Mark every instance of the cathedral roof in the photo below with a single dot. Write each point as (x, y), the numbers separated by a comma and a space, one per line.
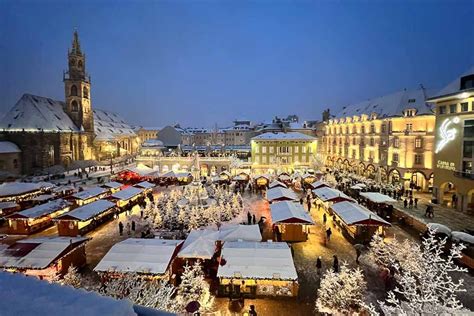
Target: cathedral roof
(36, 113)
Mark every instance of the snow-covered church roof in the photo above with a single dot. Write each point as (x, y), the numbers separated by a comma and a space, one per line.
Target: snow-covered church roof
(36, 113)
(390, 105)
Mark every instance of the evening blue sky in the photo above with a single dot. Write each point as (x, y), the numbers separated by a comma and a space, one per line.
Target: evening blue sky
(205, 62)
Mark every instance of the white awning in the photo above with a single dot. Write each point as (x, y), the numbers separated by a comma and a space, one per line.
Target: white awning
(281, 193)
(289, 211)
(377, 197)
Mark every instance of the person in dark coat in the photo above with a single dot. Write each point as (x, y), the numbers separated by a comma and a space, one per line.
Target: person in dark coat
(249, 218)
(319, 265)
(416, 202)
(309, 204)
(405, 203)
(301, 201)
(328, 234)
(120, 228)
(324, 218)
(133, 225)
(252, 311)
(335, 264)
(254, 220)
(358, 253)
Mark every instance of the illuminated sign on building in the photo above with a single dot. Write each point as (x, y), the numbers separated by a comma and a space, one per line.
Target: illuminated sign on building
(440, 164)
(447, 134)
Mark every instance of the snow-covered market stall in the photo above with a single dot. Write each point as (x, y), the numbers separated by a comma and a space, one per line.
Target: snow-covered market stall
(278, 194)
(136, 174)
(325, 197)
(85, 218)
(21, 191)
(8, 208)
(262, 181)
(284, 177)
(248, 269)
(146, 186)
(127, 196)
(290, 221)
(89, 195)
(150, 257)
(379, 203)
(319, 184)
(112, 186)
(358, 223)
(36, 218)
(184, 178)
(44, 257)
(276, 184)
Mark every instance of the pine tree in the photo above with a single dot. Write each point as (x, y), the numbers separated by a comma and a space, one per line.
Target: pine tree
(72, 277)
(194, 287)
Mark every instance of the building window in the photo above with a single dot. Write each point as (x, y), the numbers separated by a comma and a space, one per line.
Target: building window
(363, 129)
(395, 157)
(452, 108)
(372, 128)
(85, 93)
(271, 149)
(353, 141)
(469, 128)
(74, 106)
(264, 159)
(79, 64)
(73, 91)
(396, 143)
(256, 149)
(372, 142)
(354, 130)
(303, 149)
(442, 109)
(418, 159)
(464, 107)
(347, 129)
(296, 149)
(468, 149)
(353, 153)
(418, 143)
(409, 127)
(384, 128)
(264, 149)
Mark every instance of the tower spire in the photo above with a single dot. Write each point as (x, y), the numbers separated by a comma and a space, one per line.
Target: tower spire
(76, 46)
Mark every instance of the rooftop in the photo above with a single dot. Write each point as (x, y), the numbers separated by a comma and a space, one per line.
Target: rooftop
(284, 136)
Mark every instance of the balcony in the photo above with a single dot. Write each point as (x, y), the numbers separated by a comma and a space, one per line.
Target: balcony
(464, 175)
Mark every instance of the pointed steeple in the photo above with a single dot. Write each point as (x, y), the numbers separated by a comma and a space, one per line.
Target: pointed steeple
(76, 46)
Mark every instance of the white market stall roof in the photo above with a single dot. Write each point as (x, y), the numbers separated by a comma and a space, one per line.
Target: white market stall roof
(266, 176)
(89, 193)
(4, 205)
(112, 185)
(240, 177)
(326, 194)
(356, 187)
(225, 173)
(308, 175)
(145, 185)
(278, 192)
(42, 198)
(183, 174)
(18, 188)
(200, 244)
(319, 184)
(31, 296)
(169, 174)
(439, 228)
(42, 209)
(239, 232)
(37, 253)
(291, 212)
(284, 177)
(142, 171)
(88, 211)
(127, 194)
(150, 256)
(356, 214)
(377, 197)
(257, 260)
(8, 148)
(462, 237)
(64, 188)
(277, 183)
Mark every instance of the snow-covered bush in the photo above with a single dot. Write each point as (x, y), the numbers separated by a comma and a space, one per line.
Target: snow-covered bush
(193, 287)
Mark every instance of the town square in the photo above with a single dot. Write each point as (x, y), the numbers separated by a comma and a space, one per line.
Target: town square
(236, 158)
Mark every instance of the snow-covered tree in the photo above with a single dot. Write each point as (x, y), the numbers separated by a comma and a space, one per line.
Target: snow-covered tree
(194, 287)
(423, 274)
(341, 293)
(72, 277)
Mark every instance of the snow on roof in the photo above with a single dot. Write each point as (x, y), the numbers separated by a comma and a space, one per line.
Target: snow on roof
(377, 197)
(18, 188)
(240, 232)
(169, 174)
(37, 253)
(328, 194)
(454, 86)
(463, 237)
(200, 243)
(183, 174)
(87, 194)
(29, 296)
(283, 136)
(127, 194)
(35, 113)
(257, 260)
(112, 185)
(354, 214)
(266, 176)
(153, 143)
(4, 205)
(390, 105)
(43, 197)
(109, 125)
(42, 209)
(279, 192)
(277, 183)
(151, 256)
(145, 185)
(142, 170)
(8, 148)
(88, 211)
(318, 184)
(283, 211)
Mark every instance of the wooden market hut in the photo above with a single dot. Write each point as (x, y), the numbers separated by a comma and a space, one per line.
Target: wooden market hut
(326, 196)
(112, 186)
(357, 222)
(7, 208)
(184, 178)
(276, 183)
(89, 195)
(242, 177)
(319, 184)
(136, 174)
(146, 186)
(225, 177)
(85, 218)
(127, 197)
(252, 269)
(261, 181)
(278, 194)
(19, 191)
(44, 257)
(64, 190)
(168, 178)
(284, 177)
(380, 203)
(149, 257)
(290, 221)
(36, 218)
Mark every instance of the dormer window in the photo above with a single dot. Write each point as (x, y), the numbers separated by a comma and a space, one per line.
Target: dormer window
(410, 112)
(467, 82)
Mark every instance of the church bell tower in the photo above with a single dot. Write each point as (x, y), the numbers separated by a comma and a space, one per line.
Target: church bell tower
(77, 88)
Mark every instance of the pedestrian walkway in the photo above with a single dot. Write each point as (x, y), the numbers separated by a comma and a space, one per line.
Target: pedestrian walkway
(450, 217)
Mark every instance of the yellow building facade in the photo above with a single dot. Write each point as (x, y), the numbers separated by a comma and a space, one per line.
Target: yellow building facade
(277, 152)
(454, 146)
(389, 139)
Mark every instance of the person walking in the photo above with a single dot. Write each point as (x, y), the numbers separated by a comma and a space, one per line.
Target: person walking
(319, 265)
(328, 234)
(133, 226)
(416, 202)
(410, 204)
(301, 201)
(324, 219)
(128, 228)
(358, 253)
(309, 203)
(249, 218)
(405, 203)
(252, 311)
(335, 264)
(120, 225)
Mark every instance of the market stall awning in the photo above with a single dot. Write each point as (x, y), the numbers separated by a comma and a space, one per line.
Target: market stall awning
(88, 211)
(355, 214)
(289, 213)
(277, 183)
(377, 197)
(279, 193)
(327, 194)
(150, 256)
